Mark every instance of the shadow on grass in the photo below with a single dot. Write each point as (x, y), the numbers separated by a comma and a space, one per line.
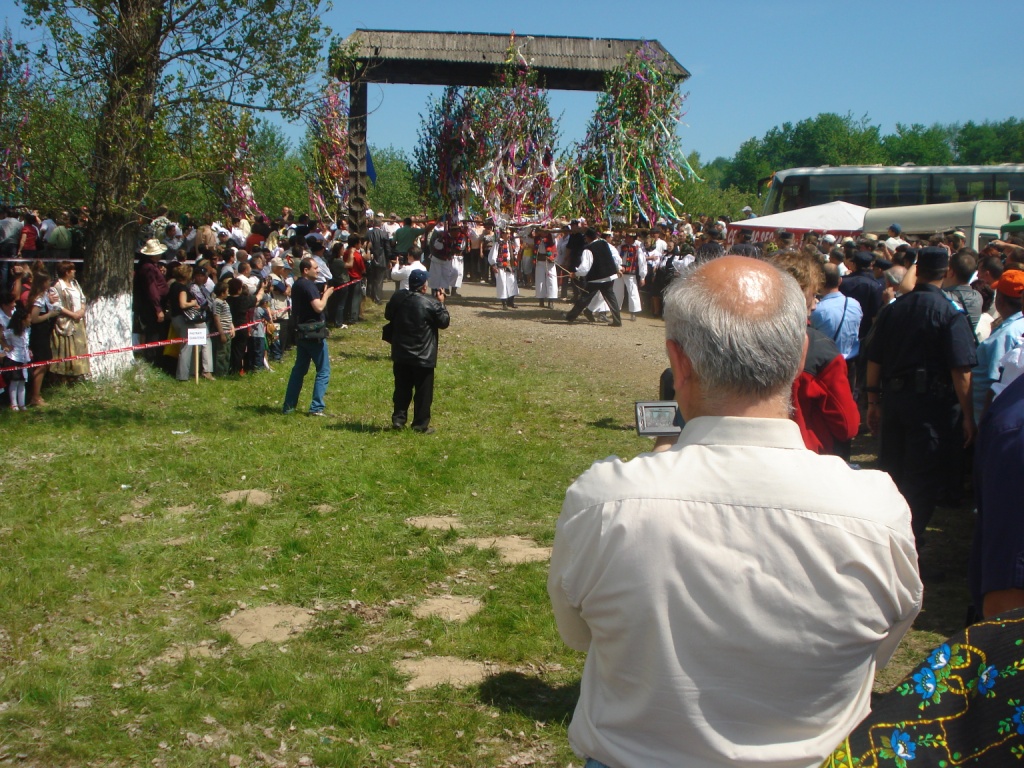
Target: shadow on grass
(93, 416)
(530, 696)
(357, 426)
(260, 410)
(609, 423)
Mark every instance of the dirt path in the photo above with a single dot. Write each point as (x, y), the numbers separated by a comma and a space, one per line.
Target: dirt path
(530, 332)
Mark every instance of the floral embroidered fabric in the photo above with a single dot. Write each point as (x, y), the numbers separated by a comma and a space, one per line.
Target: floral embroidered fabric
(962, 706)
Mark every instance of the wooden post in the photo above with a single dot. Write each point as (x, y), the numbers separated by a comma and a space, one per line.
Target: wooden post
(356, 158)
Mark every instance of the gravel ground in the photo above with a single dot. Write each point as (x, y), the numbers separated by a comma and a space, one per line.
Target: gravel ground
(637, 349)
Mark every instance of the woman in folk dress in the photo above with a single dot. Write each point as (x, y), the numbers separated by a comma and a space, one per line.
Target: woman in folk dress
(504, 261)
(69, 337)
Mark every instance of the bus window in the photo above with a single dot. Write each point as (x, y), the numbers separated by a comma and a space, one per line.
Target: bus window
(898, 189)
(794, 195)
(849, 188)
(943, 189)
(1011, 184)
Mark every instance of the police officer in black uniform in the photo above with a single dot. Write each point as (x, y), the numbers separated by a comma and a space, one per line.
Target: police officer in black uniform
(599, 271)
(920, 357)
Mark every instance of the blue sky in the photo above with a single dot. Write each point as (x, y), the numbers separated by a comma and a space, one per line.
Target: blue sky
(754, 64)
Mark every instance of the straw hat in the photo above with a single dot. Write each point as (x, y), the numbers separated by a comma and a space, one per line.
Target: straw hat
(153, 247)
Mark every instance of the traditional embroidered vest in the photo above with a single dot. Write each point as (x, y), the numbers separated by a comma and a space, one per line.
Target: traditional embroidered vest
(629, 261)
(506, 257)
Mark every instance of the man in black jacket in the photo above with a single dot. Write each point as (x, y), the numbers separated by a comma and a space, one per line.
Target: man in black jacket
(599, 266)
(415, 320)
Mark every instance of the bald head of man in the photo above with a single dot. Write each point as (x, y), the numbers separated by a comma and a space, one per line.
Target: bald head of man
(735, 334)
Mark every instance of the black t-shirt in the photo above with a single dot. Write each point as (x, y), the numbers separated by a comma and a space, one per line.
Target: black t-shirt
(240, 306)
(173, 300)
(304, 292)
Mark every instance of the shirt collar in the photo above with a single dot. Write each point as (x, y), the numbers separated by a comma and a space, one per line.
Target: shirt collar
(739, 430)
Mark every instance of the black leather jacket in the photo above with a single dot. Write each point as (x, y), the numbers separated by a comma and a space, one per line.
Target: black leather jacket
(415, 318)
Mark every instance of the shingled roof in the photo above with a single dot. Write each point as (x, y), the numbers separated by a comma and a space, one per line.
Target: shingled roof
(467, 58)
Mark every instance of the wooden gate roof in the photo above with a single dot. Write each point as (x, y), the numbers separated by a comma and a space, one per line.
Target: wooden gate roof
(468, 58)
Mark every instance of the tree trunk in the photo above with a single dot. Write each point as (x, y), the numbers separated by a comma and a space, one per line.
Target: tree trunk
(109, 314)
(121, 172)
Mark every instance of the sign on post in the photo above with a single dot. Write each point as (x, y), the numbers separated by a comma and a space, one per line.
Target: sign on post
(196, 339)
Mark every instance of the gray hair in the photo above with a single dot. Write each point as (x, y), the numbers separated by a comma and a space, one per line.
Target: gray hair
(735, 351)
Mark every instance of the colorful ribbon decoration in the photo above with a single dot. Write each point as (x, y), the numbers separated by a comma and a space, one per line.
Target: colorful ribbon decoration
(328, 129)
(624, 167)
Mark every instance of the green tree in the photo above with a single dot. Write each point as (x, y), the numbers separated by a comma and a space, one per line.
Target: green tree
(164, 67)
(919, 145)
(990, 142)
(395, 189)
(827, 139)
(279, 171)
(15, 97)
(60, 133)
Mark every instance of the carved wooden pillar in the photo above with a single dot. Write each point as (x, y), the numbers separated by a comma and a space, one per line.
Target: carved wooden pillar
(356, 159)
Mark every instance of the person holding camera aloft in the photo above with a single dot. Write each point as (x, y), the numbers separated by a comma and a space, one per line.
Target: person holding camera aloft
(311, 339)
(415, 319)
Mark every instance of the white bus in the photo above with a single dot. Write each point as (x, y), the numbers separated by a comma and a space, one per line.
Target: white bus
(882, 186)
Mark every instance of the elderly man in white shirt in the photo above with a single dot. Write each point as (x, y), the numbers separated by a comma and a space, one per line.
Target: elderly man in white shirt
(735, 592)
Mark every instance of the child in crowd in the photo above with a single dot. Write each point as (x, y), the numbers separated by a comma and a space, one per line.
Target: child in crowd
(258, 335)
(15, 343)
(223, 330)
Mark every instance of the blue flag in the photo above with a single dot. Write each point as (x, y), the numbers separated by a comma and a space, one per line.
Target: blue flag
(370, 170)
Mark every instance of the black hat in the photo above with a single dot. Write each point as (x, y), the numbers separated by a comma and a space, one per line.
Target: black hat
(863, 258)
(932, 259)
(883, 264)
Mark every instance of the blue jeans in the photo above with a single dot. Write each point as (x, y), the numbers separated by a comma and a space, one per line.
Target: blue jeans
(592, 763)
(306, 352)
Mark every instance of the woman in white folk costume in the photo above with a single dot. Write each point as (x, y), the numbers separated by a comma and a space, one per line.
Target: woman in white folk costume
(634, 273)
(546, 270)
(504, 261)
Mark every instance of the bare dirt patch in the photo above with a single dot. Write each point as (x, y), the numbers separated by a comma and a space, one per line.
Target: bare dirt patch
(448, 608)
(440, 523)
(206, 649)
(180, 541)
(251, 497)
(324, 509)
(134, 518)
(181, 511)
(513, 549)
(444, 670)
(532, 334)
(268, 624)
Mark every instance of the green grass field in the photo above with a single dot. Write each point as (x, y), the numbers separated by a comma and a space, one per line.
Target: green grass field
(119, 559)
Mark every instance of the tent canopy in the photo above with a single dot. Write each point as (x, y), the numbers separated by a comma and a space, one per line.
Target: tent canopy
(837, 218)
(1013, 226)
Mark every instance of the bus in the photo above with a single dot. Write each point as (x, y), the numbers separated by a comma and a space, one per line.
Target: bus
(886, 186)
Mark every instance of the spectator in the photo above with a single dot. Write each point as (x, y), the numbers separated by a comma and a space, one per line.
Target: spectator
(69, 332)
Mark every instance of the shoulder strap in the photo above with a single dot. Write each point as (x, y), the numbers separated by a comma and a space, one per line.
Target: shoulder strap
(846, 301)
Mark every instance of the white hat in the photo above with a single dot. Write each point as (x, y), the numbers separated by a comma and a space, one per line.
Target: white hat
(153, 247)
(746, 209)
(829, 239)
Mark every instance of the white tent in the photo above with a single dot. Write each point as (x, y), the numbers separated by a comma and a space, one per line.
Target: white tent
(837, 218)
